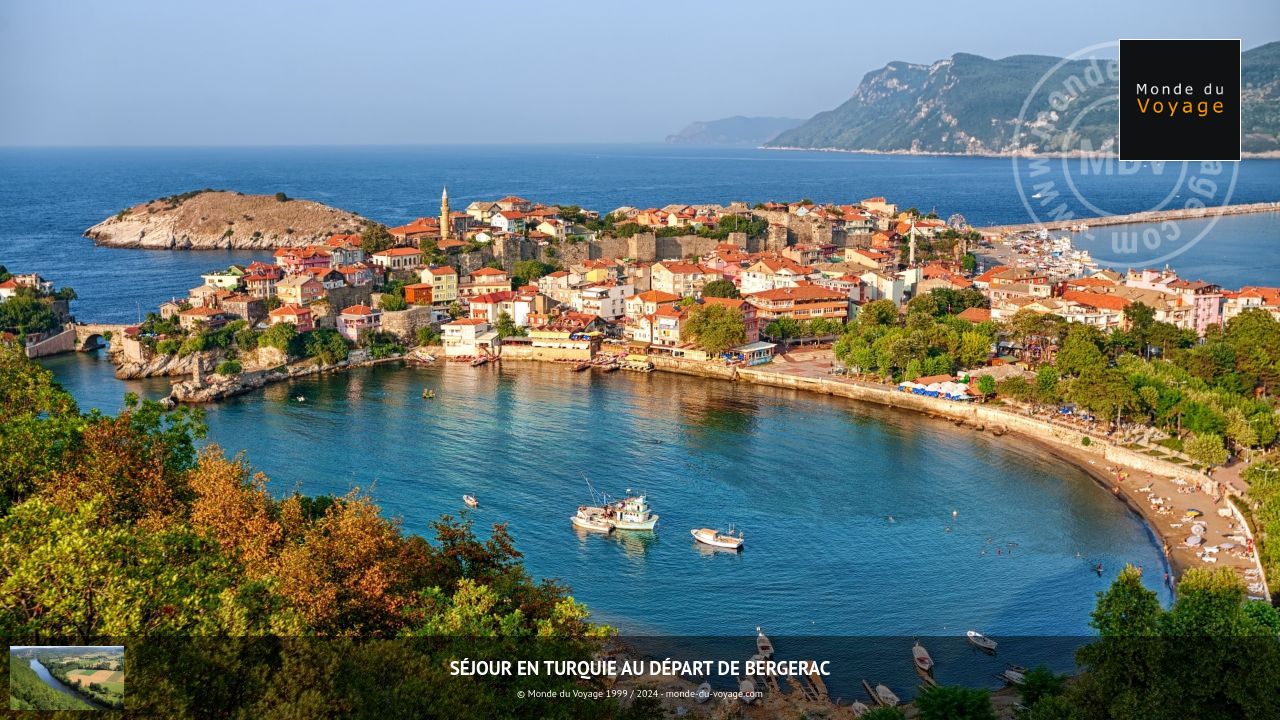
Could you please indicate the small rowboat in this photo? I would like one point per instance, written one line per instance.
(886, 696)
(581, 366)
(748, 689)
(980, 641)
(590, 522)
(763, 644)
(471, 501)
(859, 708)
(881, 694)
(920, 656)
(715, 538)
(479, 361)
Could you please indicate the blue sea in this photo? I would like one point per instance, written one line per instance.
(847, 508)
(48, 197)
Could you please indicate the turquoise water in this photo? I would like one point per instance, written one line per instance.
(812, 481)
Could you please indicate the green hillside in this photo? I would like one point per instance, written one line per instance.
(28, 692)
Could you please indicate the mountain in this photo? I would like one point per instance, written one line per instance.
(737, 130)
(969, 104)
(1260, 92)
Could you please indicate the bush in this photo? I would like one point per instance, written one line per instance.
(168, 346)
(1085, 441)
(281, 197)
(228, 367)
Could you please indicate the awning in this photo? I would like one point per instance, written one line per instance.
(755, 347)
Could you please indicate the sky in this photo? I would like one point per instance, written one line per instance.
(384, 72)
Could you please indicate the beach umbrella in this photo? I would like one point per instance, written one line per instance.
(1193, 540)
(1227, 545)
(1193, 513)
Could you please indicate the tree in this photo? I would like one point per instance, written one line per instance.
(427, 335)
(878, 312)
(953, 702)
(507, 327)
(782, 329)
(279, 336)
(375, 237)
(715, 328)
(325, 345)
(1038, 683)
(392, 302)
(720, 289)
(526, 272)
(987, 385)
(1207, 449)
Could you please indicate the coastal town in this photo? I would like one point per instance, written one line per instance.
(996, 331)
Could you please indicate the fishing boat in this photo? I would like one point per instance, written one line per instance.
(592, 519)
(859, 708)
(715, 538)
(920, 656)
(980, 641)
(470, 501)
(748, 689)
(763, 644)
(480, 361)
(582, 366)
(631, 513)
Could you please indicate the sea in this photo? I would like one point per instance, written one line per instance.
(865, 527)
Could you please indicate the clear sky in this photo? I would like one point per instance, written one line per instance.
(280, 72)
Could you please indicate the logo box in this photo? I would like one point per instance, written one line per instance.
(1180, 100)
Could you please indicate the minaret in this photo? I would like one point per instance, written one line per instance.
(444, 214)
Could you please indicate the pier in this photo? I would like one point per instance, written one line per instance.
(1149, 216)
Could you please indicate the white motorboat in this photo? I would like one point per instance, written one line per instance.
(471, 501)
(763, 644)
(591, 519)
(921, 658)
(982, 642)
(748, 689)
(715, 538)
(704, 692)
(859, 708)
(886, 695)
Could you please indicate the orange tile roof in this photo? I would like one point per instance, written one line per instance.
(357, 310)
(657, 296)
(1097, 300)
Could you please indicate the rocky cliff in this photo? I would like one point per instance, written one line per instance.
(215, 219)
(967, 104)
(737, 130)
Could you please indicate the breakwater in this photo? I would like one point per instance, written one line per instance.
(1149, 216)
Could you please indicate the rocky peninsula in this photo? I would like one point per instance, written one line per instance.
(220, 219)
